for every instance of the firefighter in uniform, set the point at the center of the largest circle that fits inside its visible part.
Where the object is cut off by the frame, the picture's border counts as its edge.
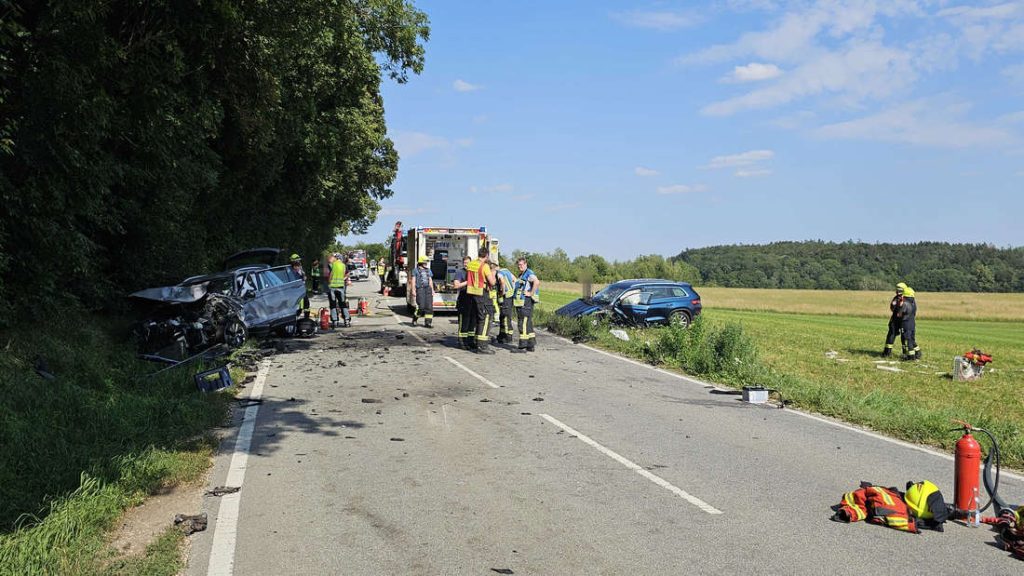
(423, 292)
(896, 306)
(296, 262)
(464, 307)
(480, 280)
(336, 289)
(314, 276)
(911, 351)
(527, 292)
(380, 272)
(505, 290)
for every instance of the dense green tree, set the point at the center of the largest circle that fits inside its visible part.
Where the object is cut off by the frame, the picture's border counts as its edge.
(142, 141)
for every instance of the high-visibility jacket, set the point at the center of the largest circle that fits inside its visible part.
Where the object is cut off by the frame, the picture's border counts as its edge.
(506, 283)
(338, 274)
(380, 269)
(879, 505)
(477, 273)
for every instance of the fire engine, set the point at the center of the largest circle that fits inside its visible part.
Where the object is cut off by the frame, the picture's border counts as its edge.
(444, 248)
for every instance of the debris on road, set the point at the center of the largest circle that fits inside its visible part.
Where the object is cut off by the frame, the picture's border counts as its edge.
(191, 524)
(398, 439)
(538, 399)
(371, 401)
(222, 490)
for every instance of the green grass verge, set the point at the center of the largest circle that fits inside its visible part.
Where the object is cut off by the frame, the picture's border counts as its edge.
(787, 352)
(75, 451)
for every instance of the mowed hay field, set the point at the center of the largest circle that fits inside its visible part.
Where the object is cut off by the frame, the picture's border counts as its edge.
(827, 346)
(935, 305)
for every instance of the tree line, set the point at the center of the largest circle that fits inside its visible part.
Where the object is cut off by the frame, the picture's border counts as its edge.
(142, 142)
(927, 266)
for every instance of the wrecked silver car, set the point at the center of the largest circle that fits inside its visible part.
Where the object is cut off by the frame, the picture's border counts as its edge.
(250, 297)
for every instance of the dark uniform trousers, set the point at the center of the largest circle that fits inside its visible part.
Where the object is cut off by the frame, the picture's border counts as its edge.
(505, 323)
(482, 311)
(467, 320)
(527, 337)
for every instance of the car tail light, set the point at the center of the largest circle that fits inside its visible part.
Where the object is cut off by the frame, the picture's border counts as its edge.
(695, 302)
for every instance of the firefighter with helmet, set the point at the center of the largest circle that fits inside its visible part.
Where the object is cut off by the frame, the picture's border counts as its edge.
(422, 286)
(296, 262)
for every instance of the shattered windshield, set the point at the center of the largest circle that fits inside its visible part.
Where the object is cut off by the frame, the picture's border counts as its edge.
(608, 295)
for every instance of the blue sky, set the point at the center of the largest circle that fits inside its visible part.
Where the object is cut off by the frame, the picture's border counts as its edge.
(626, 128)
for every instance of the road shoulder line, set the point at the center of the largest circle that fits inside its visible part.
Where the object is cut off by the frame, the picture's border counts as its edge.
(797, 412)
(225, 534)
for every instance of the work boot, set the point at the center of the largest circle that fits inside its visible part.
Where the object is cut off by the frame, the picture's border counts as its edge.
(886, 352)
(917, 355)
(429, 323)
(414, 319)
(483, 349)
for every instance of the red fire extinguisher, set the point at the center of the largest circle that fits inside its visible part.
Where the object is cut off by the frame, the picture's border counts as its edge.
(966, 464)
(325, 319)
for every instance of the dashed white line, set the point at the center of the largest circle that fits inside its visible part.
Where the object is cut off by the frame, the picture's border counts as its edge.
(225, 535)
(796, 412)
(637, 468)
(471, 373)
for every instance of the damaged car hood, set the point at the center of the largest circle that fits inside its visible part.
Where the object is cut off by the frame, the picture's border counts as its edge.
(181, 294)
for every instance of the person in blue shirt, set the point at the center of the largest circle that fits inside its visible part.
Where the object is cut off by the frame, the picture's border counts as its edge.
(505, 290)
(422, 285)
(527, 292)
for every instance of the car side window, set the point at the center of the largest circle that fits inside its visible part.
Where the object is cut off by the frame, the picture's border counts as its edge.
(679, 292)
(267, 279)
(630, 298)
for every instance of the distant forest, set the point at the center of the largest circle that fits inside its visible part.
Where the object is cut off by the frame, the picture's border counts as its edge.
(927, 266)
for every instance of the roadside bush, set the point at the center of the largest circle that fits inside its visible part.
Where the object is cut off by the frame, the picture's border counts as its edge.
(704, 350)
(581, 329)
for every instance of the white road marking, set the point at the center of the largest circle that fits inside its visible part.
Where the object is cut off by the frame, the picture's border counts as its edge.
(796, 412)
(471, 373)
(398, 321)
(225, 535)
(638, 469)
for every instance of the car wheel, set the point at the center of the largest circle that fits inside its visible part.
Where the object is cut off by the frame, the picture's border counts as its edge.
(235, 333)
(680, 318)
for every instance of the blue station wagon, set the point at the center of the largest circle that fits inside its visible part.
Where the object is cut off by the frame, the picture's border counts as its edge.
(640, 302)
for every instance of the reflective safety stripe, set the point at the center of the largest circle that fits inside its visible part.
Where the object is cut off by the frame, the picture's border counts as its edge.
(851, 503)
(476, 275)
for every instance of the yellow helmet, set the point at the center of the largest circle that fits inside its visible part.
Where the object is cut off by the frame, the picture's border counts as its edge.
(423, 260)
(917, 497)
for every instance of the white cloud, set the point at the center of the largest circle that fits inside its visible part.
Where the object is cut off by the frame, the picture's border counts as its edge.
(753, 72)
(563, 206)
(862, 70)
(502, 188)
(1014, 118)
(665, 20)
(463, 86)
(403, 211)
(1014, 73)
(921, 122)
(742, 159)
(410, 144)
(681, 189)
(641, 171)
(464, 142)
(752, 173)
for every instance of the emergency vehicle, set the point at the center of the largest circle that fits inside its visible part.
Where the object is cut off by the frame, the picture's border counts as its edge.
(444, 248)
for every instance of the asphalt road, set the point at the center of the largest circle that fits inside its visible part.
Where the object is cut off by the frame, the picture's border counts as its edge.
(385, 449)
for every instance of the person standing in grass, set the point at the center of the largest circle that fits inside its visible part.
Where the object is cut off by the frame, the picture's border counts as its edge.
(911, 351)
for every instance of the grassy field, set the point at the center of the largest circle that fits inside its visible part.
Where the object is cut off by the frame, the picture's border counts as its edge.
(935, 305)
(829, 362)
